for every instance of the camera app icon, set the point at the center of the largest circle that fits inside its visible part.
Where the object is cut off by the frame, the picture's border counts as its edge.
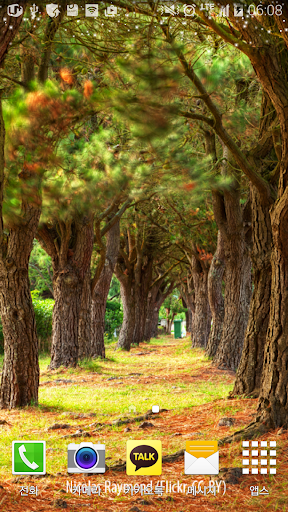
(86, 458)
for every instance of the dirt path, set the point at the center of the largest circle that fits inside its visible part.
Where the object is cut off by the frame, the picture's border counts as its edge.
(90, 401)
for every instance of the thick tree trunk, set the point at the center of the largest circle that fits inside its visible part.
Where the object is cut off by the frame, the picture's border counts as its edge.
(273, 403)
(236, 303)
(68, 289)
(9, 27)
(84, 328)
(154, 323)
(140, 317)
(170, 323)
(190, 321)
(98, 320)
(69, 272)
(101, 291)
(143, 280)
(188, 315)
(20, 375)
(249, 373)
(127, 330)
(190, 301)
(273, 399)
(215, 297)
(156, 297)
(202, 315)
(150, 317)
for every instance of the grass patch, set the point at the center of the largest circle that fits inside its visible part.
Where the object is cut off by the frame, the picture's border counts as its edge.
(164, 379)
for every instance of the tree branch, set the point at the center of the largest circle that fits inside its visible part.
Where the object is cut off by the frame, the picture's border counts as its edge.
(239, 157)
(43, 277)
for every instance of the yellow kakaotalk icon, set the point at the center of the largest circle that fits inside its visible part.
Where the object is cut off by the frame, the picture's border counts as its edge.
(144, 458)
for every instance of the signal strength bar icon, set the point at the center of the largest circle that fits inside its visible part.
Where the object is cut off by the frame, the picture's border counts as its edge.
(91, 10)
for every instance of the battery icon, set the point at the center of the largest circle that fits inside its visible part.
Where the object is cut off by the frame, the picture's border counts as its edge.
(238, 10)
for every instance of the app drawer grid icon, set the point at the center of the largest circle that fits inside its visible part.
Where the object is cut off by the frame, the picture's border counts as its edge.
(259, 457)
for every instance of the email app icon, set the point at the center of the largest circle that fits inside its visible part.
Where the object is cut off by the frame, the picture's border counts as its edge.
(201, 458)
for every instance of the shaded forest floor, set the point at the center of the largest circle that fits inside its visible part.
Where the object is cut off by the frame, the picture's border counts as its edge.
(92, 398)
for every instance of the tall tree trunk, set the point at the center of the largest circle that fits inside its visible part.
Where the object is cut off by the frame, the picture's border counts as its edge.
(249, 373)
(216, 301)
(271, 62)
(202, 316)
(188, 315)
(154, 323)
(101, 291)
(84, 328)
(237, 300)
(69, 272)
(143, 280)
(159, 292)
(150, 317)
(20, 375)
(9, 28)
(273, 403)
(190, 321)
(189, 294)
(128, 325)
(140, 316)
(170, 323)
(68, 290)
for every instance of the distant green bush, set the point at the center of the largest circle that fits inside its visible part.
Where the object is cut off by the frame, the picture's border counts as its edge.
(43, 309)
(43, 315)
(113, 318)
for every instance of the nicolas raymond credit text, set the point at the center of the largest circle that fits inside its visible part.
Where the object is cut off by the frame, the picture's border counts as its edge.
(196, 488)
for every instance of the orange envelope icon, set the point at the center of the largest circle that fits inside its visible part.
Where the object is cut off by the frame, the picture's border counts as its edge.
(201, 458)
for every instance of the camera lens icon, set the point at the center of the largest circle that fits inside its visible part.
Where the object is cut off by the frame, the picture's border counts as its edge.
(86, 458)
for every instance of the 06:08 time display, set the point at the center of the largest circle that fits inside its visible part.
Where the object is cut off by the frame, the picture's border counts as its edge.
(265, 10)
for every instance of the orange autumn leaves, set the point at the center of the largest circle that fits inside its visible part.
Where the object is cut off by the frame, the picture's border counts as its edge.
(88, 89)
(48, 117)
(190, 186)
(203, 255)
(68, 78)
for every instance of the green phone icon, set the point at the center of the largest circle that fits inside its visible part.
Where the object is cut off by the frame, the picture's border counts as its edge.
(28, 457)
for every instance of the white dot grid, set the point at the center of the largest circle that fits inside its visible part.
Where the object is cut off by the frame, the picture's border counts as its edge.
(262, 462)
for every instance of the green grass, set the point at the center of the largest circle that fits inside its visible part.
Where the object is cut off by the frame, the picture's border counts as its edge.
(162, 372)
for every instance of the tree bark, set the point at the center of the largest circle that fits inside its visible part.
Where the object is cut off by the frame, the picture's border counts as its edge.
(154, 324)
(70, 247)
(170, 322)
(101, 291)
(159, 292)
(249, 373)
(68, 288)
(143, 280)
(236, 303)
(20, 375)
(126, 335)
(190, 321)
(189, 294)
(188, 315)
(202, 315)
(216, 301)
(84, 328)
(7, 33)
(234, 223)
(273, 406)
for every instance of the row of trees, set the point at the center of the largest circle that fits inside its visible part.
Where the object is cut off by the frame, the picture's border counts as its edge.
(135, 152)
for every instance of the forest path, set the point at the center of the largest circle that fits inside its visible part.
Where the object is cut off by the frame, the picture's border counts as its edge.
(89, 403)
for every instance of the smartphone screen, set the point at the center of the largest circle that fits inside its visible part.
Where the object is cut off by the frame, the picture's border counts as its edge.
(143, 234)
